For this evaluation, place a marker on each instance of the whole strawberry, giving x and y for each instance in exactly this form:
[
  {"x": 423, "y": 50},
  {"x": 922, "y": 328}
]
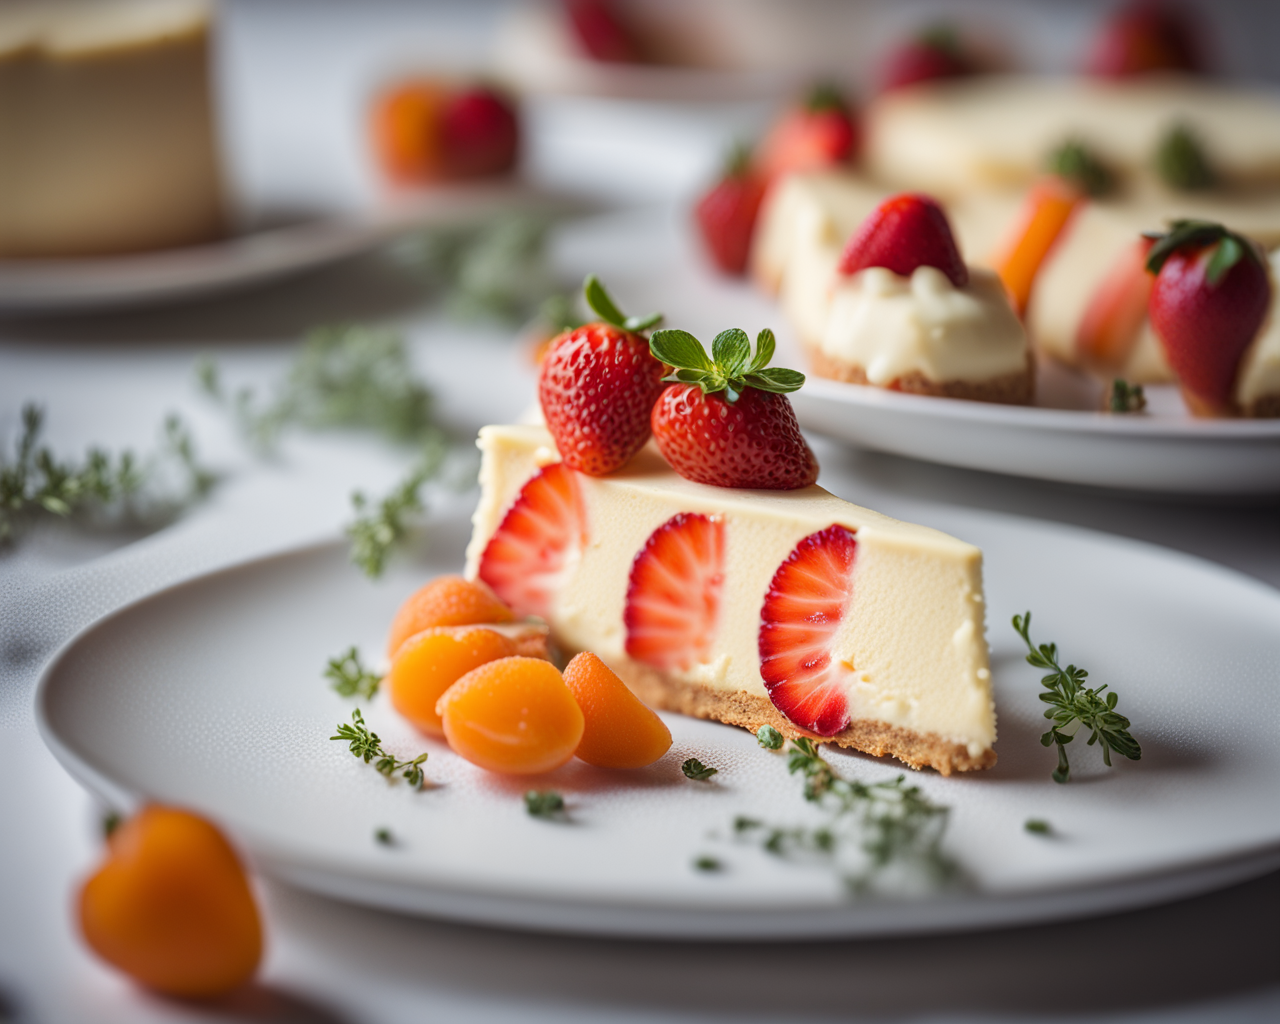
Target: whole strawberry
[
  {"x": 726, "y": 214},
  {"x": 1209, "y": 300},
  {"x": 479, "y": 133},
  {"x": 728, "y": 422},
  {"x": 1143, "y": 37},
  {"x": 934, "y": 53},
  {"x": 902, "y": 233},
  {"x": 597, "y": 386},
  {"x": 818, "y": 134}
]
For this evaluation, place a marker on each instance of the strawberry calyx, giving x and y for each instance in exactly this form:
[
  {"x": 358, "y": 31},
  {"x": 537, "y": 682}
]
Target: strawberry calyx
[
  {"x": 1230, "y": 247},
  {"x": 607, "y": 310},
  {"x": 731, "y": 367},
  {"x": 824, "y": 97}
]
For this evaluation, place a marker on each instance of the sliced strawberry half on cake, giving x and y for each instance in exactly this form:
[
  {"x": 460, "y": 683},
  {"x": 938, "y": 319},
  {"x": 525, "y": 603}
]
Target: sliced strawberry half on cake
[
  {"x": 803, "y": 608},
  {"x": 673, "y": 598},
  {"x": 540, "y": 540}
]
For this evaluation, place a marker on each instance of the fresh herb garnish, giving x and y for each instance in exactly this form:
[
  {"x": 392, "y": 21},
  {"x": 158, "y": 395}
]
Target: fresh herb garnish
[
  {"x": 1073, "y": 161},
  {"x": 731, "y": 367},
  {"x": 366, "y": 745},
  {"x": 544, "y": 803},
  {"x": 38, "y": 483},
  {"x": 696, "y": 770},
  {"x": 350, "y": 678},
  {"x": 1123, "y": 397},
  {"x": 1038, "y": 826},
  {"x": 1074, "y": 706},
  {"x": 381, "y": 525},
  {"x": 707, "y": 864},
  {"x": 769, "y": 737},
  {"x": 607, "y": 310},
  {"x": 1230, "y": 248},
  {"x": 383, "y": 837},
  {"x": 894, "y": 825},
  {"x": 1181, "y": 162},
  {"x": 111, "y": 821}
]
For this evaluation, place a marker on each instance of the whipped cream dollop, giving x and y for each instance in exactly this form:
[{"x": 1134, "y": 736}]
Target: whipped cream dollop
[{"x": 892, "y": 325}]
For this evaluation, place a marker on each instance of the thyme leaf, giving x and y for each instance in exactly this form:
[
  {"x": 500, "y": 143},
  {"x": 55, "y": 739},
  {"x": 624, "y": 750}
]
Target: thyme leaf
[
  {"x": 546, "y": 803},
  {"x": 350, "y": 678},
  {"x": 1073, "y": 706},
  {"x": 365, "y": 744},
  {"x": 696, "y": 770}
]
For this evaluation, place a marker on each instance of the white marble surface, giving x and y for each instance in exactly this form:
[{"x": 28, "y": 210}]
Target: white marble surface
[{"x": 294, "y": 85}]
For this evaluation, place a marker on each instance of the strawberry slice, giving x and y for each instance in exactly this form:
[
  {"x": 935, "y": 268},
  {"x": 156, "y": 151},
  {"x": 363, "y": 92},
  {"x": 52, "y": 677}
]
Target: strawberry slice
[
  {"x": 540, "y": 540},
  {"x": 902, "y": 233},
  {"x": 1113, "y": 320},
  {"x": 673, "y": 598},
  {"x": 803, "y": 608},
  {"x": 1209, "y": 300}
]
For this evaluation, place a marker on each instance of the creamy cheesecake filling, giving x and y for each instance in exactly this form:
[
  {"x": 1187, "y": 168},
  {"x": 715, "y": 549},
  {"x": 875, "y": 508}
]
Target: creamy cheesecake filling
[
  {"x": 912, "y": 643},
  {"x": 1260, "y": 368},
  {"x": 892, "y": 326}
]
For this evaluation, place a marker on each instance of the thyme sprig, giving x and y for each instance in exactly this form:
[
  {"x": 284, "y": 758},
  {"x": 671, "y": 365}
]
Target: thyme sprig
[
  {"x": 697, "y": 771},
  {"x": 37, "y": 483},
  {"x": 365, "y": 744},
  {"x": 348, "y": 676},
  {"x": 1074, "y": 706},
  {"x": 895, "y": 825},
  {"x": 544, "y": 803}
]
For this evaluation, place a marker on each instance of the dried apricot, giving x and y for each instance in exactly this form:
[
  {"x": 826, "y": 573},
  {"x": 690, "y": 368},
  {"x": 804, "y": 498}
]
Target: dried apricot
[
  {"x": 515, "y": 715},
  {"x": 446, "y": 601},
  {"x": 430, "y": 662},
  {"x": 621, "y": 731},
  {"x": 171, "y": 906}
]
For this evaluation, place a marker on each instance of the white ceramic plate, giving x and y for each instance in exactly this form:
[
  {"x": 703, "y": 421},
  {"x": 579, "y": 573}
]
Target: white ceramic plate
[
  {"x": 255, "y": 257},
  {"x": 209, "y": 694},
  {"x": 1064, "y": 439}
]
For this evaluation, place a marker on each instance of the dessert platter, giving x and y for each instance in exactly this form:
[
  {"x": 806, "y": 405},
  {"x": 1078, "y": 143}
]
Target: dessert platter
[{"x": 785, "y": 715}]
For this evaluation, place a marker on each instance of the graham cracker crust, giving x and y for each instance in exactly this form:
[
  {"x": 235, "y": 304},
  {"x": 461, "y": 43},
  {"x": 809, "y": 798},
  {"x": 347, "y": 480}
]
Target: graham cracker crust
[
  {"x": 918, "y": 750},
  {"x": 1010, "y": 389},
  {"x": 1267, "y": 407}
]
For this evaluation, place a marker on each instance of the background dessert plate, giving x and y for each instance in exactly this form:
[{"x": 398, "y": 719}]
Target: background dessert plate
[
  {"x": 1063, "y": 438},
  {"x": 210, "y": 695},
  {"x": 255, "y": 256}
]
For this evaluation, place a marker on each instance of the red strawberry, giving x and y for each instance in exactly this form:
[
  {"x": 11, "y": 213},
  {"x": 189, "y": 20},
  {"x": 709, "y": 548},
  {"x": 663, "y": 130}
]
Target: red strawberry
[
  {"x": 1113, "y": 320},
  {"x": 673, "y": 598},
  {"x": 1210, "y": 298},
  {"x": 804, "y": 606},
  {"x": 935, "y": 53},
  {"x": 597, "y": 385},
  {"x": 726, "y": 214},
  {"x": 541, "y": 537},
  {"x": 904, "y": 232},
  {"x": 479, "y": 134},
  {"x": 601, "y": 33},
  {"x": 819, "y": 134},
  {"x": 1144, "y": 37},
  {"x": 732, "y": 425}
]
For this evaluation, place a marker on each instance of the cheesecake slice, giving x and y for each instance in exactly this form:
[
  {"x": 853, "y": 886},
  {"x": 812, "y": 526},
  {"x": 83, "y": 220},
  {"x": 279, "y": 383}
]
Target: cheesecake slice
[{"x": 788, "y": 608}]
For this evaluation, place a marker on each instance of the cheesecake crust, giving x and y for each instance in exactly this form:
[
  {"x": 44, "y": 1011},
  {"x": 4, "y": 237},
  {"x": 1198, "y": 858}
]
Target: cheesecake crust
[
  {"x": 916, "y": 749},
  {"x": 1009, "y": 389},
  {"x": 1267, "y": 407}
]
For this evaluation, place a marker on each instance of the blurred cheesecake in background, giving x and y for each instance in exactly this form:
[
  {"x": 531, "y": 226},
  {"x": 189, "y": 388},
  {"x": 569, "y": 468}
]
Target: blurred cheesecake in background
[{"x": 107, "y": 134}]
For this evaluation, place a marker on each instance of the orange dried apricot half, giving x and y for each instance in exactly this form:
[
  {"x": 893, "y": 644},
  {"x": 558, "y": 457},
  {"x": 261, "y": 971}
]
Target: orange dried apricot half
[
  {"x": 171, "y": 906},
  {"x": 621, "y": 731},
  {"x": 515, "y": 715},
  {"x": 430, "y": 662},
  {"x": 446, "y": 601}
]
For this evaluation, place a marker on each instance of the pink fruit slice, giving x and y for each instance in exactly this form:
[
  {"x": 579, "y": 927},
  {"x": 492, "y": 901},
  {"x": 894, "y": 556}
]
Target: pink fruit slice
[
  {"x": 803, "y": 609},
  {"x": 673, "y": 599},
  {"x": 540, "y": 539}
]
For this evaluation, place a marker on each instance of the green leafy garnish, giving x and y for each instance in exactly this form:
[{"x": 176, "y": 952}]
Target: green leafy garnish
[
  {"x": 1074, "y": 706},
  {"x": 1230, "y": 247},
  {"x": 380, "y": 526},
  {"x": 1073, "y": 161},
  {"x": 769, "y": 737},
  {"x": 111, "y": 821},
  {"x": 604, "y": 307},
  {"x": 544, "y": 803},
  {"x": 1124, "y": 397},
  {"x": 1038, "y": 826},
  {"x": 36, "y": 483},
  {"x": 696, "y": 770},
  {"x": 731, "y": 367},
  {"x": 826, "y": 96},
  {"x": 707, "y": 864},
  {"x": 895, "y": 825},
  {"x": 383, "y": 837},
  {"x": 350, "y": 678},
  {"x": 1181, "y": 162},
  {"x": 366, "y": 745}
]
